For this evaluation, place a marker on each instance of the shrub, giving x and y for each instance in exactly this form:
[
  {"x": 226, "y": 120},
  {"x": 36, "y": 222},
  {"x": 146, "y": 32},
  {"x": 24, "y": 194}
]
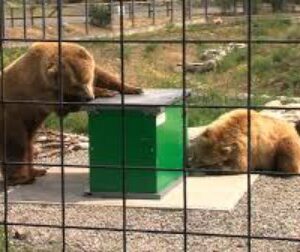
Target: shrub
[{"x": 100, "y": 15}]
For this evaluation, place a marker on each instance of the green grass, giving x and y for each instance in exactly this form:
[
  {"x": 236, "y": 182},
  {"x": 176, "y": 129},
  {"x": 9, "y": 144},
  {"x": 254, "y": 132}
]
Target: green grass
[
  {"x": 2, "y": 238},
  {"x": 204, "y": 116},
  {"x": 75, "y": 122},
  {"x": 273, "y": 27},
  {"x": 236, "y": 57},
  {"x": 275, "y": 68},
  {"x": 11, "y": 54},
  {"x": 150, "y": 48}
]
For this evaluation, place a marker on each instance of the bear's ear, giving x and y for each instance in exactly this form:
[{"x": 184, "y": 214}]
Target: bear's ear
[
  {"x": 83, "y": 54},
  {"x": 225, "y": 150},
  {"x": 206, "y": 137},
  {"x": 207, "y": 134},
  {"x": 52, "y": 68}
]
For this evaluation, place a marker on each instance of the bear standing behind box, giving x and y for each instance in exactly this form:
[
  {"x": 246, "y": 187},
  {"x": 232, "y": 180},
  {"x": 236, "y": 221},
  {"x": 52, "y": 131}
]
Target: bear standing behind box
[{"x": 33, "y": 79}]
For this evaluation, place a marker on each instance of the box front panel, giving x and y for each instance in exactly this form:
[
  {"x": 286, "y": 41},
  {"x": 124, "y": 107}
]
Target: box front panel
[{"x": 106, "y": 149}]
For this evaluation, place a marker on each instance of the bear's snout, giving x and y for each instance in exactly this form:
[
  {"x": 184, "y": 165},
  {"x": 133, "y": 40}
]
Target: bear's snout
[
  {"x": 87, "y": 99},
  {"x": 78, "y": 98}
]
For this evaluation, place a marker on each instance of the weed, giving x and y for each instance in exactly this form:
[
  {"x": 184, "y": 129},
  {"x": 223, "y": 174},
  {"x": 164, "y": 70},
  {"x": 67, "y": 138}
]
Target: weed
[
  {"x": 150, "y": 48},
  {"x": 75, "y": 122}
]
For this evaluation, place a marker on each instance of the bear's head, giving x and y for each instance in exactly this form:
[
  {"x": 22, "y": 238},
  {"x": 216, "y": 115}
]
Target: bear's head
[
  {"x": 69, "y": 74},
  {"x": 207, "y": 150}
]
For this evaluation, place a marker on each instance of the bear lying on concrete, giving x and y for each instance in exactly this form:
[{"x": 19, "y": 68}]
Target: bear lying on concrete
[
  {"x": 275, "y": 144},
  {"x": 34, "y": 77}
]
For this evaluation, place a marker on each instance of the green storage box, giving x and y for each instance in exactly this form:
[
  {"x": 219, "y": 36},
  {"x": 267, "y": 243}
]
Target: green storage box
[{"x": 153, "y": 138}]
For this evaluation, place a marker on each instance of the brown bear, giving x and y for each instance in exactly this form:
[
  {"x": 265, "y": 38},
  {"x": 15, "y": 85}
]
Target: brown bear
[
  {"x": 34, "y": 77},
  {"x": 275, "y": 144}
]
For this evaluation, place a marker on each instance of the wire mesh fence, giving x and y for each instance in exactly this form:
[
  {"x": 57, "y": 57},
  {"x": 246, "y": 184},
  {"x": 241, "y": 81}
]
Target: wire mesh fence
[{"x": 185, "y": 10}]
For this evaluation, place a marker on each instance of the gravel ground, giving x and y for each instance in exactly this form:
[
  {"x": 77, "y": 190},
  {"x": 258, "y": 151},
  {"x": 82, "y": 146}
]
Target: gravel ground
[{"x": 275, "y": 212}]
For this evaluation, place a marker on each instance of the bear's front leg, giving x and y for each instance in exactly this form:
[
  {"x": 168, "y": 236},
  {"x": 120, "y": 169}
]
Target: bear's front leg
[
  {"x": 288, "y": 155},
  {"x": 240, "y": 162},
  {"x": 103, "y": 79},
  {"x": 103, "y": 92}
]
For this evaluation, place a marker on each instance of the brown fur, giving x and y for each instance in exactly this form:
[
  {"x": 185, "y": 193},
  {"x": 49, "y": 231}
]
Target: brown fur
[
  {"x": 105, "y": 82},
  {"x": 275, "y": 144},
  {"x": 34, "y": 76}
]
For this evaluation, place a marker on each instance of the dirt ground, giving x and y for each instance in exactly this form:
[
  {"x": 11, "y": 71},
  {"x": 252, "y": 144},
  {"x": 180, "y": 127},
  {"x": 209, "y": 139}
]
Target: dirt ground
[{"x": 275, "y": 213}]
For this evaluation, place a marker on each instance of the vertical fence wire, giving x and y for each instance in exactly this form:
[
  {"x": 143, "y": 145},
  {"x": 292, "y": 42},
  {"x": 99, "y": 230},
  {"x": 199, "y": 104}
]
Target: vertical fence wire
[
  {"x": 184, "y": 126},
  {"x": 4, "y": 162},
  {"x": 61, "y": 120},
  {"x": 3, "y": 19},
  {"x": 249, "y": 143},
  {"x": 44, "y": 18},
  {"x": 86, "y": 12},
  {"x": 206, "y": 10},
  {"x": 123, "y": 129},
  {"x": 153, "y": 12},
  {"x": 132, "y": 11},
  {"x": 24, "y": 19}
]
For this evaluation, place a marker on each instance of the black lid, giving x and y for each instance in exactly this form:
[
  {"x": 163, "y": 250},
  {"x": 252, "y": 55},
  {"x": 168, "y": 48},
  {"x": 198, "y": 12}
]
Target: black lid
[{"x": 150, "y": 99}]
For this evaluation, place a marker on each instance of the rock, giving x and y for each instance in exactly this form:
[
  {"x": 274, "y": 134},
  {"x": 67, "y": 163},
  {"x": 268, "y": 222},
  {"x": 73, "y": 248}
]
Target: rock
[
  {"x": 289, "y": 115},
  {"x": 41, "y": 139},
  {"x": 282, "y": 98},
  {"x": 201, "y": 67},
  {"x": 83, "y": 139},
  {"x": 81, "y": 146},
  {"x": 19, "y": 236},
  {"x": 275, "y": 103},
  {"x": 264, "y": 96},
  {"x": 211, "y": 58},
  {"x": 210, "y": 54},
  {"x": 293, "y": 105}
]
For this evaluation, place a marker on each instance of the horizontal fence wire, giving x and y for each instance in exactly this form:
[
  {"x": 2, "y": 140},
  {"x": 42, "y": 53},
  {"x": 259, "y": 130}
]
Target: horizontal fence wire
[
  {"x": 150, "y": 231},
  {"x": 90, "y": 106},
  {"x": 203, "y": 170},
  {"x": 159, "y": 41}
]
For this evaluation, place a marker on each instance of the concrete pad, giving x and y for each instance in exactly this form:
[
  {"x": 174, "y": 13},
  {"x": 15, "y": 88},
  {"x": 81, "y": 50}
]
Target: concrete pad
[{"x": 207, "y": 192}]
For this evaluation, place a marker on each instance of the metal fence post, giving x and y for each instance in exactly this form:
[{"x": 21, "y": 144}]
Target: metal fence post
[
  {"x": 31, "y": 11},
  {"x": 189, "y": 9},
  {"x": 12, "y": 20},
  {"x": 2, "y": 20},
  {"x": 86, "y": 10},
  {"x": 206, "y": 10},
  {"x": 44, "y": 18},
  {"x": 172, "y": 11},
  {"x": 24, "y": 19},
  {"x": 153, "y": 12},
  {"x": 132, "y": 12}
]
